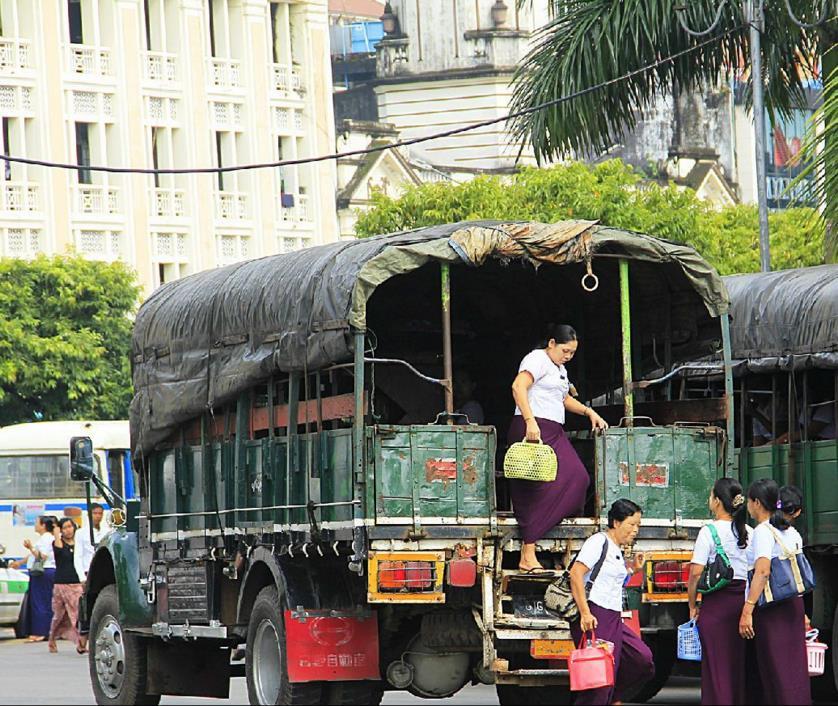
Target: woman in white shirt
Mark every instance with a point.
(597, 578)
(39, 601)
(722, 649)
(778, 629)
(541, 391)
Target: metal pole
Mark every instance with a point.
(756, 16)
(625, 319)
(447, 364)
(727, 353)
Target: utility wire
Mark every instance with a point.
(379, 148)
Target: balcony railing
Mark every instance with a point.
(96, 200)
(14, 55)
(167, 203)
(19, 197)
(160, 67)
(224, 73)
(298, 212)
(89, 61)
(286, 78)
(230, 206)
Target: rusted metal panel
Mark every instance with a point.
(335, 407)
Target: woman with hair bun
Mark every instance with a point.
(778, 628)
(722, 649)
(541, 391)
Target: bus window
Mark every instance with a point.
(115, 467)
(36, 477)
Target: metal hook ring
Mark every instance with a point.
(593, 287)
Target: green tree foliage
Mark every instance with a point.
(65, 339)
(615, 195)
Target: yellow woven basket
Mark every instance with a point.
(531, 461)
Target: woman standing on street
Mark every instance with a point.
(778, 629)
(722, 649)
(68, 587)
(601, 610)
(541, 392)
(41, 565)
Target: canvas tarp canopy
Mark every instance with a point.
(785, 320)
(200, 341)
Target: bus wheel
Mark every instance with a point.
(117, 659)
(266, 663)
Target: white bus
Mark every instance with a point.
(35, 476)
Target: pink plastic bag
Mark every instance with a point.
(591, 666)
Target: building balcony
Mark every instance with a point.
(167, 203)
(96, 200)
(224, 73)
(89, 61)
(294, 210)
(230, 206)
(286, 79)
(160, 67)
(19, 198)
(14, 55)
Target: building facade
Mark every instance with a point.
(165, 84)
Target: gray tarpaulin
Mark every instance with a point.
(201, 340)
(785, 320)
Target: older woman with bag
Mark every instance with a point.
(541, 391)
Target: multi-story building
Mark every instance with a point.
(165, 84)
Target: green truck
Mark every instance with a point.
(312, 500)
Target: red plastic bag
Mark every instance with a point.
(591, 666)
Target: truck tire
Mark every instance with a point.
(352, 693)
(266, 661)
(117, 659)
(513, 695)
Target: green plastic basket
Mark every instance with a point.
(531, 461)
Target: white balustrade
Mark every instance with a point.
(19, 197)
(286, 78)
(96, 200)
(14, 55)
(160, 67)
(224, 73)
(89, 61)
(230, 206)
(167, 203)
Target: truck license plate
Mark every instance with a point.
(530, 607)
(551, 649)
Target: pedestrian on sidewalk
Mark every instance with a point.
(41, 565)
(68, 587)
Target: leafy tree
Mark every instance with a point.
(65, 339)
(590, 42)
(614, 194)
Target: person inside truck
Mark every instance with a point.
(596, 581)
(723, 651)
(541, 391)
(464, 387)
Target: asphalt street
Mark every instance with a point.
(29, 674)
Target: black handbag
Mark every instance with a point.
(558, 598)
(717, 573)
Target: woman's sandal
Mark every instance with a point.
(53, 648)
(35, 638)
(81, 650)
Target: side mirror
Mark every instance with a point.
(81, 458)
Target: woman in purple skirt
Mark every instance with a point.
(596, 581)
(542, 394)
(778, 629)
(722, 649)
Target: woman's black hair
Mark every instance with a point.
(48, 521)
(729, 493)
(621, 509)
(560, 333)
(791, 497)
(766, 492)
(64, 520)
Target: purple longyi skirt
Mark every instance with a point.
(722, 649)
(541, 506)
(780, 642)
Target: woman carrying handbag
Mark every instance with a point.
(600, 603)
(541, 391)
(720, 576)
(777, 625)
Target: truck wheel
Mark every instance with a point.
(266, 664)
(117, 659)
(512, 695)
(352, 693)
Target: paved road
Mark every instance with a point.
(29, 674)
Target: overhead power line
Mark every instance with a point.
(379, 148)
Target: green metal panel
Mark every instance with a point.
(433, 471)
(164, 498)
(134, 609)
(336, 474)
(668, 471)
